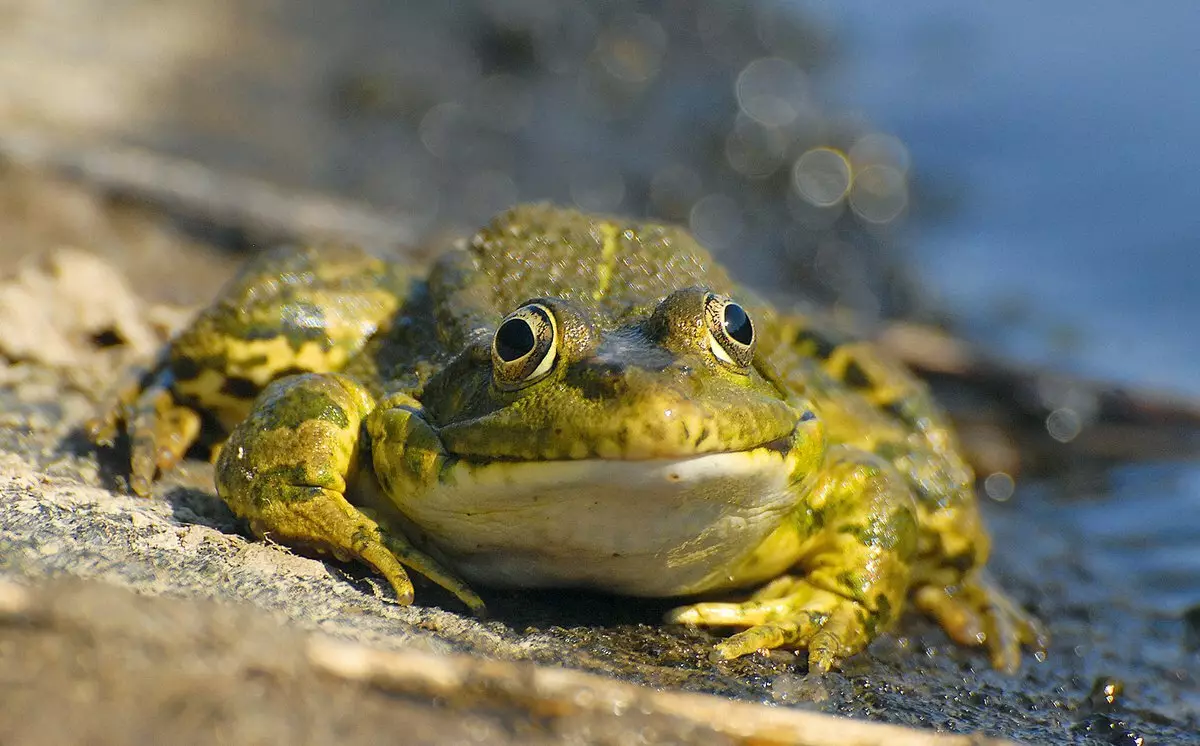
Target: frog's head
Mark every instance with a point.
(552, 382)
(648, 454)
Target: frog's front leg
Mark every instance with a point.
(858, 533)
(288, 467)
(289, 310)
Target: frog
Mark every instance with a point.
(570, 400)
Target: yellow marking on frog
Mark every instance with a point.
(206, 388)
(259, 361)
(608, 254)
(884, 386)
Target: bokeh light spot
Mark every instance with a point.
(442, 127)
(879, 149)
(879, 194)
(753, 150)
(772, 91)
(633, 50)
(999, 486)
(1064, 424)
(822, 176)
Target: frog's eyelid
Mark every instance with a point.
(546, 317)
(719, 350)
(544, 367)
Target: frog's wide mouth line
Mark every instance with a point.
(780, 445)
(661, 527)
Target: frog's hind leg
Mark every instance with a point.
(974, 611)
(858, 534)
(161, 430)
(289, 310)
(287, 470)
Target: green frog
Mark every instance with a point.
(572, 400)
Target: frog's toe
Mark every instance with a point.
(960, 620)
(322, 519)
(160, 429)
(160, 433)
(977, 612)
(432, 569)
(791, 614)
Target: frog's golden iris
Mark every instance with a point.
(525, 346)
(573, 400)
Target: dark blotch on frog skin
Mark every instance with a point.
(598, 381)
(296, 321)
(856, 377)
(303, 405)
(239, 388)
(822, 346)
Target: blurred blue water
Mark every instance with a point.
(1067, 136)
(1057, 153)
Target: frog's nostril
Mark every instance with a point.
(612, 377)
(601, 380)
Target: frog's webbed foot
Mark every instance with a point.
(286, 469)
(975, 611)
(160, 428)
(855, 565)
(789, 612)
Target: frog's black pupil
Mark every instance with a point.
(514, 340)
(737, 324)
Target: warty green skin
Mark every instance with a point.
(639, 462)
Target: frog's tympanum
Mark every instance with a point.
(580, 401)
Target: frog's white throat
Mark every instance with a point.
(645, 528)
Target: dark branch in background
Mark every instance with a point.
(985, 392)
(195, 192)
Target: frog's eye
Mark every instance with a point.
(525, 346)
(730, 332)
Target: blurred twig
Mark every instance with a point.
(1114, 422)
(196, 191)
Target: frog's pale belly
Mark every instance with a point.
(646, 528)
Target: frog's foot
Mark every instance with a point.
(788, 612)
(977, 612)
(322, 519)
(160, 429)
(286, 469)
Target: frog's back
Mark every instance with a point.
(618, 268)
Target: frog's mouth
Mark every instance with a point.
(645, 430)
(651, 527)
(661, 526)
(781, 446)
